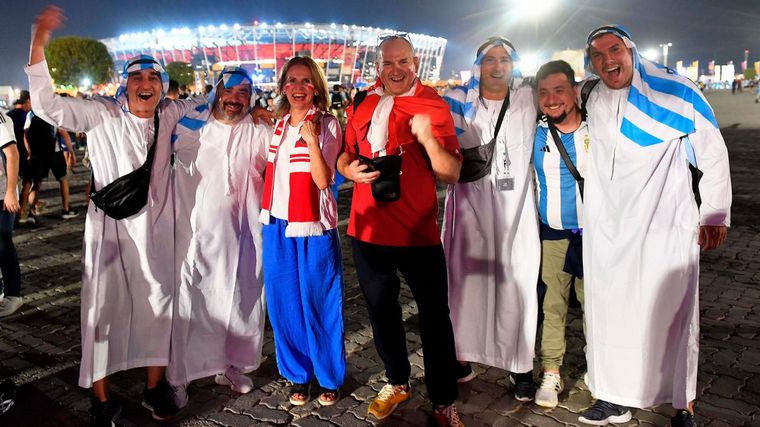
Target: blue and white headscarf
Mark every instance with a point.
(138, 63)
(463, 111)
(197, 118)
(662, 105)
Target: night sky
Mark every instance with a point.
(698, 29)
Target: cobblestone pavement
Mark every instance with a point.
(39, 346)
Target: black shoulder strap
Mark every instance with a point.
(565, 157)
(585, 93)
(358, 98)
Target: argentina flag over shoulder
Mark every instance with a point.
(464, 101)
(662, 105)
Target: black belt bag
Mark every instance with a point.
(387, 187)
(476, 161)
(128, 194)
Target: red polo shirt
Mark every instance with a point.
(411, 220)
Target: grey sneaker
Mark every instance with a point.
(603, 413)
(9, 305)
(68, 214)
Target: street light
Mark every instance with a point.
(665, 47)
(650, 54)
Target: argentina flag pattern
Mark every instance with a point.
(559, 201)
(661, 104)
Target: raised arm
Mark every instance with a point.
(70, 113)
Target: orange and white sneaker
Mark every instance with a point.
(388, 399)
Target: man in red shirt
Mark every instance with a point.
(399, 116)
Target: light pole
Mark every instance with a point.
(665, 47)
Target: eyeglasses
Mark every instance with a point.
(382, 38)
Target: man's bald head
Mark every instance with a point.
(396, 65)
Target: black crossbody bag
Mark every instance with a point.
(562, 152)
(476, 161)
(128, 194)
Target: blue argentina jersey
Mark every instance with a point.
(559, 201)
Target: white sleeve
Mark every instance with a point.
(174, 110)
(261, 148)
(6, 130)
(715, 185)
(331, 140)
(74, 114)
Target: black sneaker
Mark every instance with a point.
(104, 414)
(603, 413)
(160, 401)
(525, 388)
(464, 373)
(7, 395)
(683, 419)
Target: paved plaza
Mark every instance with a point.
(40, 349)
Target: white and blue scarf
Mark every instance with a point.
(662, 105)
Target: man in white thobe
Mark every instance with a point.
(490, 227)
(644, 229)
(127, 264)
(219, 155)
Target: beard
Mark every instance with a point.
(221, 109)
(559, 119)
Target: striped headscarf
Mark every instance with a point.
(464, 112)
(138, 63)
(662, 105)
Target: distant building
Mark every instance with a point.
(346, 52)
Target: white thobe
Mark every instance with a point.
(219, 310)
(492, 246)
(641, 258)
(128, 264)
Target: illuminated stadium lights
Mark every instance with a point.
(346, 52)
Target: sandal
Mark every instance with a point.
(299, 394)
(328, 397)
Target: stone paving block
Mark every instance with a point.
(349, 420)
(231, 419)
(262, 413)
(726, 386)
(577, 402)
(312, 422)
(651, 417)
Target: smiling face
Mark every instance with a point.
(556, 97)
(612, 61)
(397, 66)
(144, 89)
(299, 87)
(495, 69)
(233, 103)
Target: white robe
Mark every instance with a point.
(641, 258)
(492, 248)
(219, 310)
(127, 265)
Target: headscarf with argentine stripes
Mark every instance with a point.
(662, 105)
(138, 63)
(464, 101)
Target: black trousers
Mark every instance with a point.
(424, 269)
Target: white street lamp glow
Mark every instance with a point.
(531, 9)
(650, 54)
(86, 82)
(528, 64)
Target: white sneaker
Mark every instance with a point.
(237, 380)
(180, 395)
(551, 386)
(9, 305)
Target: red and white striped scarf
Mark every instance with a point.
(303, 203)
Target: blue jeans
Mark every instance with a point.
(11, 282)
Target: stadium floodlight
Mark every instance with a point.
(223, 27)
(201, 29)
(529, 8)
(211, 28)
(528, 64)
(264, 25)
(650, 54)
(279, 25)
(333, 26)
(236, 27)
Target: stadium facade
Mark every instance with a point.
(347, 53)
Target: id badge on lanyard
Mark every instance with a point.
(504, 179)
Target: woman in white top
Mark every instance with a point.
(303, 275)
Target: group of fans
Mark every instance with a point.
(614, 189)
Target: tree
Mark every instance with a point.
(182, 72)
(73, 59)
(749, 74)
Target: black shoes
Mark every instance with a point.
(160, 401)
(683, 418)
(603, 413)
(464, 373)
(104, 414)
(525, 388)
